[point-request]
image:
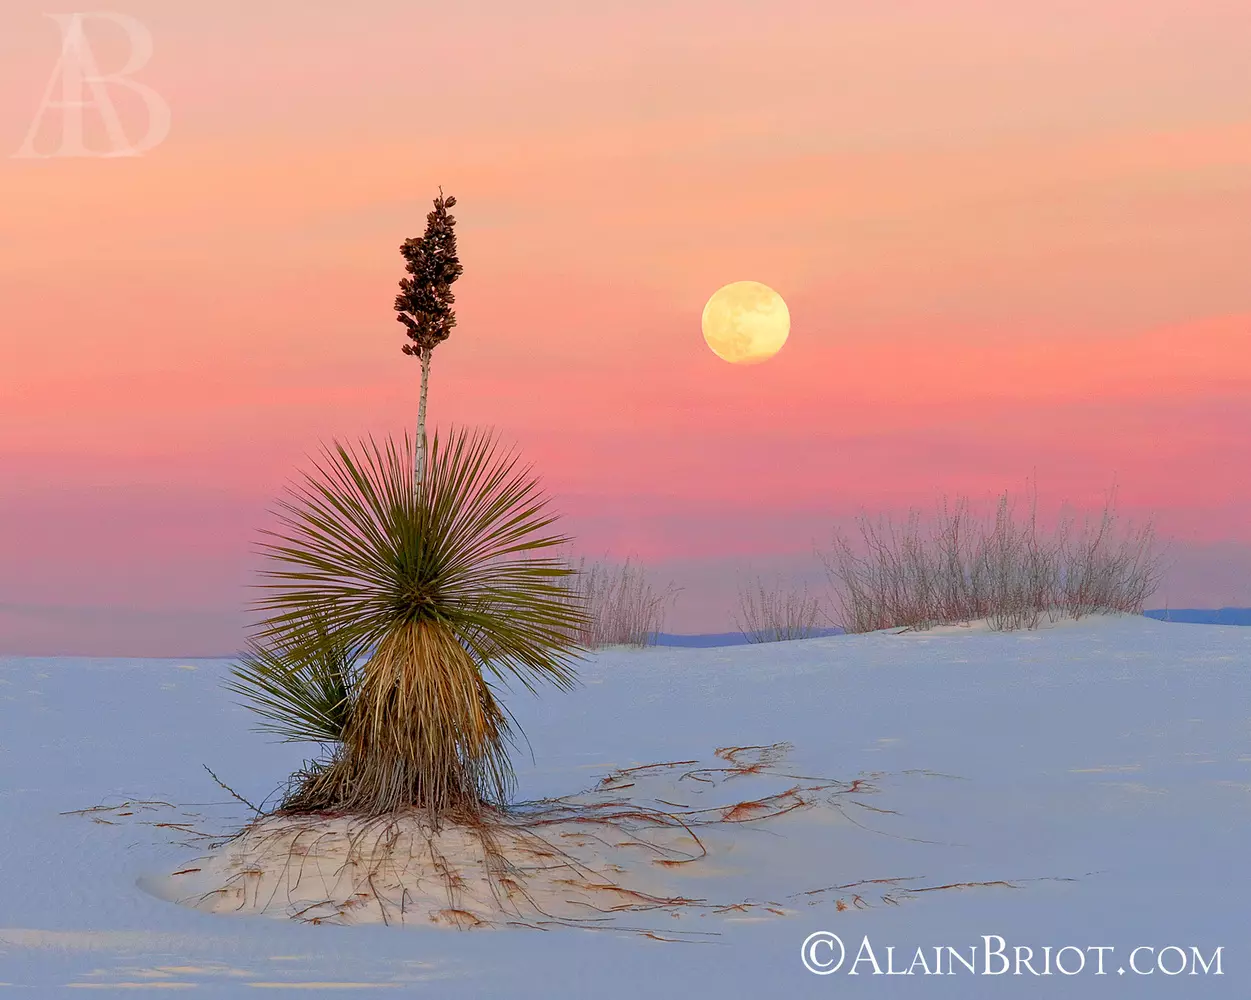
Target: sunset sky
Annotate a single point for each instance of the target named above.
(1014, 239)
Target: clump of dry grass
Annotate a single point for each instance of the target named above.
(957, 568)
(778, 612)
(622, 606)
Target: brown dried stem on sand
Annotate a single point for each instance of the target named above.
(591, 860)
(581, 860)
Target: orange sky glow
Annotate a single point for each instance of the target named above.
(1013, 240)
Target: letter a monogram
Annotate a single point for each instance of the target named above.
(78, 74)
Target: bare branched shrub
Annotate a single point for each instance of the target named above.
(777, 613)
(1103, 572)
(623, 607)
(962, 569)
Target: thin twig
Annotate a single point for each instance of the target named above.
(231, 790)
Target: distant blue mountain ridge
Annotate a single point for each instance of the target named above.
(1203, 616)
(708, 639)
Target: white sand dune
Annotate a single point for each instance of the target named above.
(1083, 785)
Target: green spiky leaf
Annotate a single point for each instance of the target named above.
(365, 549)
(300, 683)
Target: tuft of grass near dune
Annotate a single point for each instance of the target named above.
(956, 568)
(622, 606)
(777, 612)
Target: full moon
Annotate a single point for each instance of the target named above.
(746, 322)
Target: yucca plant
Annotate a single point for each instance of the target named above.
(440, 586)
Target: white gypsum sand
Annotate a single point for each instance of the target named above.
(1102, 768)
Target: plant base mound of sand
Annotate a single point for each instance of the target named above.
(398, 870)
(598, 859)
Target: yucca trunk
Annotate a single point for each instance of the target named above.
(419, 453)
(425, 732)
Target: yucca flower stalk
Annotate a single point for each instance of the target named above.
(442, 584)
(424, 304)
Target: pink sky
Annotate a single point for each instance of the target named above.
(1013, 239)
